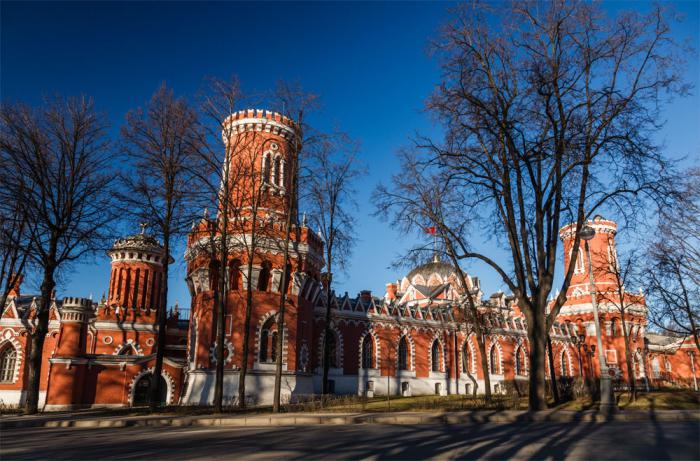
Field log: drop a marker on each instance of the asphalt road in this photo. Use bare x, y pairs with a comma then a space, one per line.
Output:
619, 440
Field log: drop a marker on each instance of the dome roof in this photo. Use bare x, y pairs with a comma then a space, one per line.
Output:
139, 242
434, 267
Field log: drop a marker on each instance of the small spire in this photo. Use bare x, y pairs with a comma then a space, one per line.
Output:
143, 227
436, 258
303, 219
206, 213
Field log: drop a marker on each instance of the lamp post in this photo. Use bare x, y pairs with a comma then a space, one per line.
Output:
606, 395
579, 340
691, 354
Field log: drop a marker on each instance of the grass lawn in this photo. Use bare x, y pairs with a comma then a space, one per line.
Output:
667, 399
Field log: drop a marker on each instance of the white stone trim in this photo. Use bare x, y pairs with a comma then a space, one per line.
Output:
9, 337
377, 349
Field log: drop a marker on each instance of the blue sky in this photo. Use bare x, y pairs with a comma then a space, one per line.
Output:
368, 61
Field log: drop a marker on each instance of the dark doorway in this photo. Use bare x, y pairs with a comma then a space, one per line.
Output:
142, 388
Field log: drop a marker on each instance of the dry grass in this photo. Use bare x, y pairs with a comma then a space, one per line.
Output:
666, 399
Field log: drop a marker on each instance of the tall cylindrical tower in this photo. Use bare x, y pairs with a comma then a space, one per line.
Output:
261, 151
603, 255
137, 270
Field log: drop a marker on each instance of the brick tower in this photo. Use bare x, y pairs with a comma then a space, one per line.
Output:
136, 277
261, 149
68, 363
612, 307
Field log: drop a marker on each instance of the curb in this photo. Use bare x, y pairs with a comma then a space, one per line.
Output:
356, 418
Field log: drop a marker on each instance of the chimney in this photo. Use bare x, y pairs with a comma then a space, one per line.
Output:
391, 289
366, 295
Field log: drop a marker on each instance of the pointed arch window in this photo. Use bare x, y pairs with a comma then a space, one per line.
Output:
466, 358
520, 362
264, 277
277, 172
268, 336
367, 352
403, 353
495, 362
332, 350
8, 363
565, 365
435, 356
266, 167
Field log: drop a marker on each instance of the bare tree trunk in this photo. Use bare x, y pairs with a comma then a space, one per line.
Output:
552, 373
537, 332
481, 342
221, 306
628, 359
37, 339
161, 340
248, 310
280, 317
328, 332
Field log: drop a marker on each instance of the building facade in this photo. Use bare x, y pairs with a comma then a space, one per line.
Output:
410, 341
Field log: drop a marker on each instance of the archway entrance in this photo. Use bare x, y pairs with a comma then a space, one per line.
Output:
142, 387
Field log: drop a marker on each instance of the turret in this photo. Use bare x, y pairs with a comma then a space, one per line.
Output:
137, 270
603, 255
68, 363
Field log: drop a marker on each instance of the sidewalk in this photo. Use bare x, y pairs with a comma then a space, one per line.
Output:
94, 418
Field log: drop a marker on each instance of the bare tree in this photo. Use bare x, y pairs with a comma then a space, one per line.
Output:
549, 111
62, 152
14, 238
331, 199
621, 274
420, 197
160, 144
673, 281
296, 105
224, 170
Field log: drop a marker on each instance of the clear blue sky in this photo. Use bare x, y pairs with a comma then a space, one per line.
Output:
368, 61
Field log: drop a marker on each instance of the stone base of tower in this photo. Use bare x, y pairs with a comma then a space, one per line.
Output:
260, 387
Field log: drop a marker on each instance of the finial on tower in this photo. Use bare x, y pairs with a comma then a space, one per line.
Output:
143, 227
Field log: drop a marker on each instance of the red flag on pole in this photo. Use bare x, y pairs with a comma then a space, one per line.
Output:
431, 230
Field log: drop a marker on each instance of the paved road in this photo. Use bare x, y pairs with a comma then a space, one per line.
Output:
619, 440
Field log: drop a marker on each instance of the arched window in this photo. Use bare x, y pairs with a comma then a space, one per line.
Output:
273, 346
403, 353
332, 350
565, 365
435, 355
266, 168
494, 360
8, 362
520, 362
264, 277
655, 367
367, 352
268, 336
613, 328
234, 277
277, 171
145, 289
580, 266
467, 358
135, 297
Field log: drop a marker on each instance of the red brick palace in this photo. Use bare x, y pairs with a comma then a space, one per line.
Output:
409, 341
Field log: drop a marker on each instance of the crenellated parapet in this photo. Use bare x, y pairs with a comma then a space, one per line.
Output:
258, 120
76, 310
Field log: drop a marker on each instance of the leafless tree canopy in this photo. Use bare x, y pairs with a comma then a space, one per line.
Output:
549, 112
58, 160
674, 264
161, 145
